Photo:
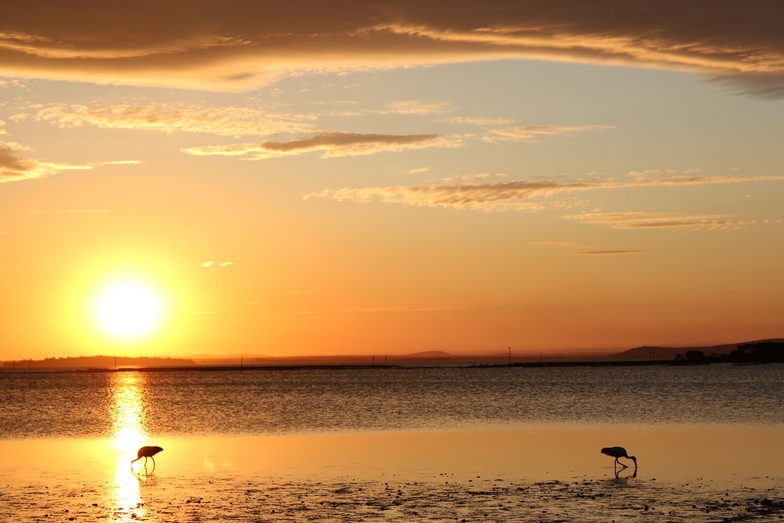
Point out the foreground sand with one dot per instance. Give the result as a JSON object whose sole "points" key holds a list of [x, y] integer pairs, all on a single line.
{"points": [[444, 498]]}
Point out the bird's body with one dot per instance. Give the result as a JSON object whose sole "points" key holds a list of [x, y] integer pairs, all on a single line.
{"points": [[619, 452], [146, 452]]}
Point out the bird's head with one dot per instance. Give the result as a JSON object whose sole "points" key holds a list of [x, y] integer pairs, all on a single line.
{"points": [[634, 460]]}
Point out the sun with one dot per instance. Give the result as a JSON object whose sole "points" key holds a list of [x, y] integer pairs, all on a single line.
{"points": [[128, 309]]}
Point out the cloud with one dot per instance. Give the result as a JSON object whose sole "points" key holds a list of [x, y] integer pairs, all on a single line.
{"points": [[416, 107], [646, 220], [532, 133], [334, 144], [14, 167], [215, 264], [241, 44], [481, 121], [606, 253], [168, 118], [513, 195], [487, 196]]}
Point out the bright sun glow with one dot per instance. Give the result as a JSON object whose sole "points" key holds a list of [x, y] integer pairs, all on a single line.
{"points": [[128, 309]]}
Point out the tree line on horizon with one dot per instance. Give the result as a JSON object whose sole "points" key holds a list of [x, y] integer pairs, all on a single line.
{"points": [[756, 352], [99, 362]]}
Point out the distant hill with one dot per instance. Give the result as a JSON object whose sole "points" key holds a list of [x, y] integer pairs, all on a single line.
{"points": [[433, 356], [669, 353]]}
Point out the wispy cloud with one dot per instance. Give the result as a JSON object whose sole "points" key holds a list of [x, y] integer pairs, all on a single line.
{"points": [[245, 43], [507, 195], [650, 220], [169, 118], [533, 133], [334, 144], [481, 121], [14, 167], [419, 107], [122, 162]]}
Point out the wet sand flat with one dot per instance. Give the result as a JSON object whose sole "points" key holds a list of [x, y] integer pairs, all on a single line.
{"points": [[184, 499], [542, 474]]}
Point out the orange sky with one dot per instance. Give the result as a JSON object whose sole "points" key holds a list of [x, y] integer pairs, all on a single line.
{"points": [[386, 178]]}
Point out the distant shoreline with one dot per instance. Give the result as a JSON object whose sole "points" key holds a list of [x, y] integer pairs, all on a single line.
{"points": [[755, 352], [401, 366]]}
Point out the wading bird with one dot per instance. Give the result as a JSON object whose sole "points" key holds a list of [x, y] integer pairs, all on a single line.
{"points": [[619, 452], [146, 452]]}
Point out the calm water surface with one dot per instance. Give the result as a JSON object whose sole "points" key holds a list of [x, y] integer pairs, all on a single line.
{"points": [[299, 402]]}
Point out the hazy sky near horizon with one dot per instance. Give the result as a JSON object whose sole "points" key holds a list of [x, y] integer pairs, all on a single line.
{"points": [[389, 177]]}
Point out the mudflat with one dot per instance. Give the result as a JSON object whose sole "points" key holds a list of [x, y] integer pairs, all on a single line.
{"points": [[542, 474]]}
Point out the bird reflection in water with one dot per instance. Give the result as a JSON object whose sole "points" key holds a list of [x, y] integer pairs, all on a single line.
{"points": [[623, 479], [128, 413]]}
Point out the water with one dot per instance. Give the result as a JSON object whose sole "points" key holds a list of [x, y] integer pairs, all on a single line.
{"points": [[440, 444], [318, 401]]}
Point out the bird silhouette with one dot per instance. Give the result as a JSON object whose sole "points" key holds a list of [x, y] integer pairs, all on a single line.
{"points": [[146, 452], [619, 452]]}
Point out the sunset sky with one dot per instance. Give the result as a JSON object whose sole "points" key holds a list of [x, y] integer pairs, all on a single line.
{"points": [[310, 177]]}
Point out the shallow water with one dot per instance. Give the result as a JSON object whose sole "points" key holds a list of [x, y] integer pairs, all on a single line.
{"points": [[480, 444], [543, 473], [335, 400]]}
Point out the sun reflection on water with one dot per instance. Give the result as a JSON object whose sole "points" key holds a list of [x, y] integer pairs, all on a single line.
{"points": [[129, 432]]}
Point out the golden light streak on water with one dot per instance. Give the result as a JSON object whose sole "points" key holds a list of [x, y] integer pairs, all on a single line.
{"points": [[128, 433]]}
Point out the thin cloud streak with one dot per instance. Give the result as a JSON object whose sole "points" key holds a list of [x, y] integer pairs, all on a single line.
{"points": [[505, 195], [169, 118], [242, 44], [642, 220], [334, 144], [532, 133]]}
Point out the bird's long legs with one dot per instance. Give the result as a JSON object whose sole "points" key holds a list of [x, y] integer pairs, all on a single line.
{"points": [[145, 465]]}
